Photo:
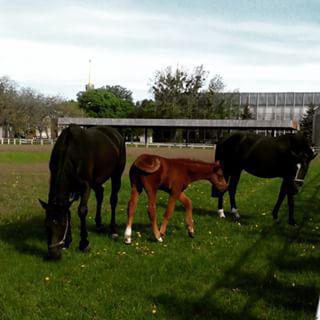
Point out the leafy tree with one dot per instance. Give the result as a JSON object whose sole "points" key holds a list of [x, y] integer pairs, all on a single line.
{"points": [[120, 92], [144, 109], [246, 113], [102, 103], [306, 124]]}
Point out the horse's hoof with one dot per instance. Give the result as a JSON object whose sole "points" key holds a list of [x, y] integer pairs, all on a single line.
{"points": [[101, 228], [84, 247], [235, 212], [160, 239], [221, 213], [292, 223], [191, 234], [114, 236], [127, 240]]}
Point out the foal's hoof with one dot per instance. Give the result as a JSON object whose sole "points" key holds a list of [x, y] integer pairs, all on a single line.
{"points": [[191, 234], [160, 239], [127, 240]]}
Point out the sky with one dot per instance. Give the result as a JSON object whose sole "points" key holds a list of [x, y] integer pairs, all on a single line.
{"points": [[264, 45]]}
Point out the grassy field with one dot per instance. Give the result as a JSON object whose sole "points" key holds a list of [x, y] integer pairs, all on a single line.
{"points": [[254, 269]]}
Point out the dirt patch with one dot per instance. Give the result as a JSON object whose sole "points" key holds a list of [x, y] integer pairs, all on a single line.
{"points": [[195, 154], [132, 153]]}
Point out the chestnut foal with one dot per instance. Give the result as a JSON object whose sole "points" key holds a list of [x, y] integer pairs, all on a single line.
{"points": [[151, 172]]}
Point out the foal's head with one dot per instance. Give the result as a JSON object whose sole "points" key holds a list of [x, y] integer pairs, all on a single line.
{"points": [[217, 177], [56, 223]]}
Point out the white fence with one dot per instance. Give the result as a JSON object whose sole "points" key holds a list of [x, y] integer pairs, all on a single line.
{"points": [[16, 141], [26, 141]]}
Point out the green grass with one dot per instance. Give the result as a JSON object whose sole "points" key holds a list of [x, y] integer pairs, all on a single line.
{"points": [[255, 269]]}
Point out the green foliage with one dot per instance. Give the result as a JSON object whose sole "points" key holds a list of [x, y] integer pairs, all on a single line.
{"points": [[144, 109], [254, 269], [23, 110], [103, 103], [179, 94], [246, 113], [306, 123]]}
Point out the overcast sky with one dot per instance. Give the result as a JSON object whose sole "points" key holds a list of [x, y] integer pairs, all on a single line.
{"points": [[262, 45]]}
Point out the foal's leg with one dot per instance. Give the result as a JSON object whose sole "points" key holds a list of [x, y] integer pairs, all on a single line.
{"points": [[188, 206], [152, 212], [82, 212], [99, 197], [115, 187], [282, 194], [234, 180], [132, 205], [168, 214]]}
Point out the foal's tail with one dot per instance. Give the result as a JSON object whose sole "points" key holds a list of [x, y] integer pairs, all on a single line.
{"points": [[135, 180]]}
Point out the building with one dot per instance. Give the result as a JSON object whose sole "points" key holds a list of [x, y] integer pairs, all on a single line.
{"points": [[276, 105]]}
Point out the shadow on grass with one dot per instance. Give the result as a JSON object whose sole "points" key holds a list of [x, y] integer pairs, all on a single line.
{"points": [[259, 285], [18, 234]]}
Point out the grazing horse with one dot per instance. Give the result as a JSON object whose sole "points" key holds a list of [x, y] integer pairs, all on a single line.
{"points": [[80, 160], [287, 156], [151, 172]]}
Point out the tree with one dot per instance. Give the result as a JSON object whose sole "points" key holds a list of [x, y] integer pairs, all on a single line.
{"points": [[176, 92], [102, 103], [179, 94], [120, 92], [144, 109], [306, 124], [246, 113]]}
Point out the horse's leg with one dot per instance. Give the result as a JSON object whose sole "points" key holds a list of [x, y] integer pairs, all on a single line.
{"points": [[132, 205], [188, 206], [68, 240], [82, 212], [115, 187], [291, 208], [220, 206], [168, 214], [282, 194], [99, 197], [152, 212], [220, 202], [234, 180]]}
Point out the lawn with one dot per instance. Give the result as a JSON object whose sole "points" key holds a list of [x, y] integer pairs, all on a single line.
{"points": [[252, 269]]}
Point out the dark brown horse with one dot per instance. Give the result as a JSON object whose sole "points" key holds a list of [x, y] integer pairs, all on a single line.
{"points": [[81, 160], [151, 172]]}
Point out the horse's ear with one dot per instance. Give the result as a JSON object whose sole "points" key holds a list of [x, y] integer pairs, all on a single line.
{"points": [[44, 205]]}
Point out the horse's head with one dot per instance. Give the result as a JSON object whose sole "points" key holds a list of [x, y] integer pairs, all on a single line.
{"points": [[217, 177], [302, 161], [56, 223]]}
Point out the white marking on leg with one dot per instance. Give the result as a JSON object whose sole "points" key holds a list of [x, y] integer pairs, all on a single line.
{"points": [[235, 212], [160, 239], [221, 213], [127, 235]]}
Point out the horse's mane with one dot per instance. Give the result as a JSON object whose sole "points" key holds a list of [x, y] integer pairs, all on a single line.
{"points": [[61, 164]]}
